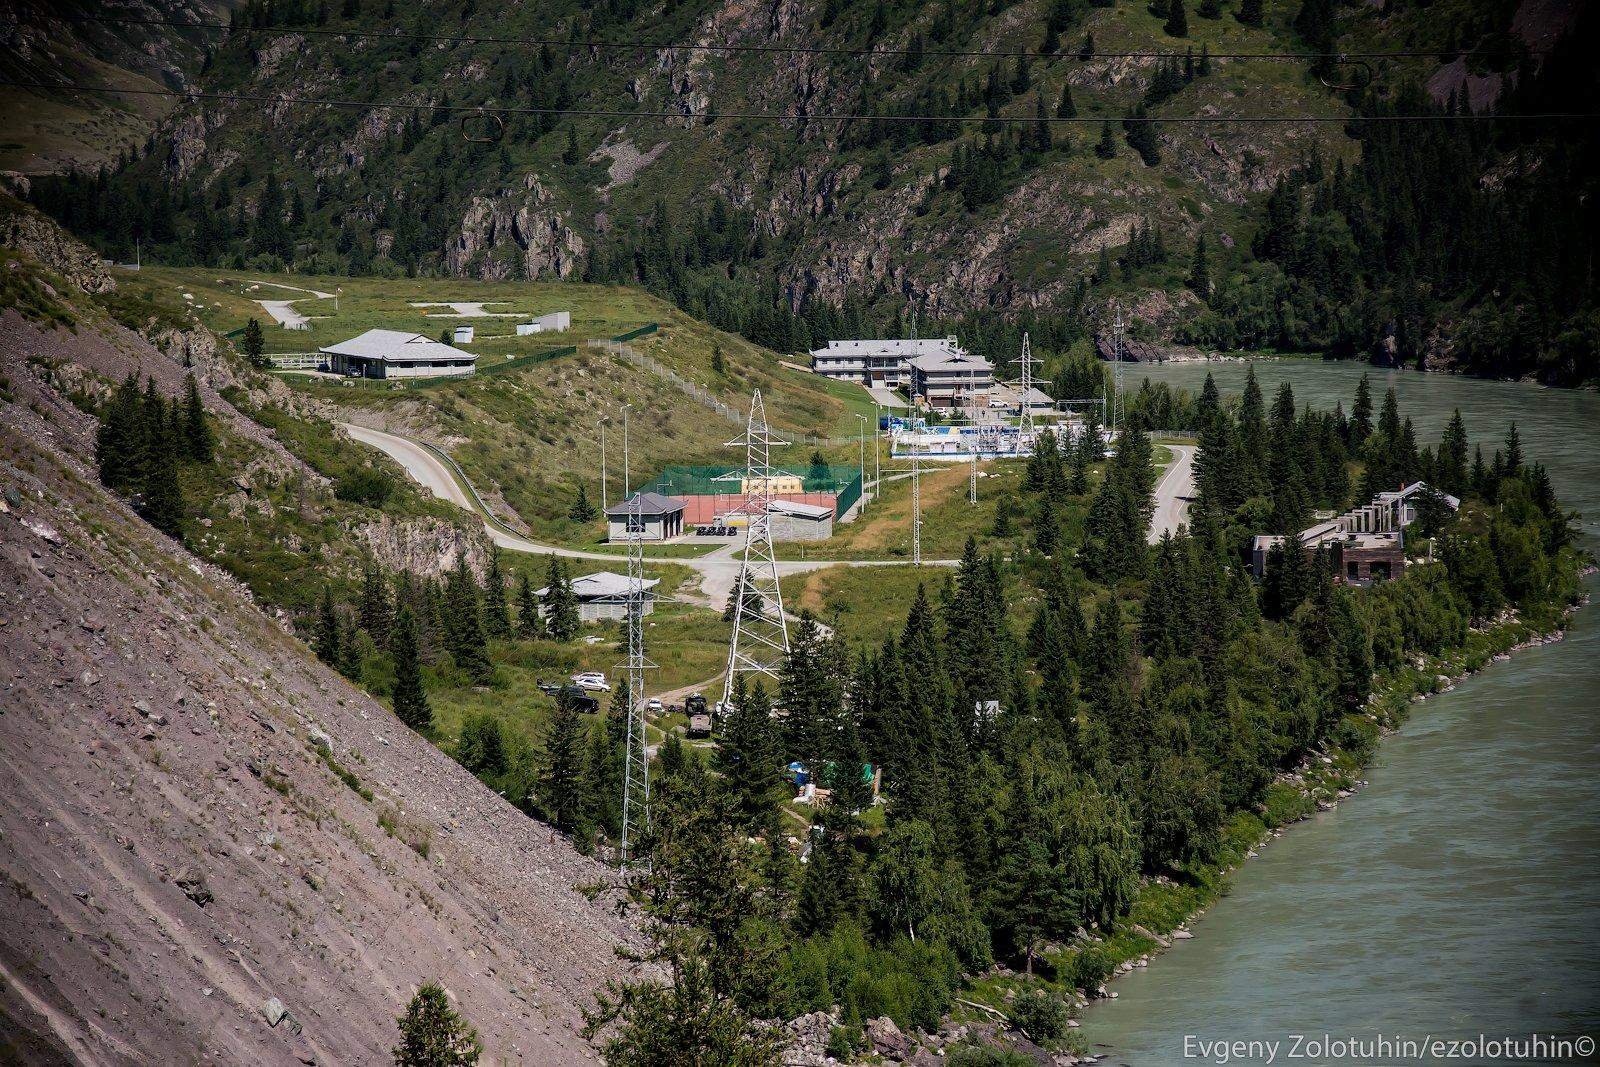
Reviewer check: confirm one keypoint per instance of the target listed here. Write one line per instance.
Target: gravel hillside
(202, 828)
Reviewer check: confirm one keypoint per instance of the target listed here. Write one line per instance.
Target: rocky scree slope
(202, 828)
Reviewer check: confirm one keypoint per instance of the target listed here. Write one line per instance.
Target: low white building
(791, 520)
(604, 595)
(555, 322)
(658, 517)
(397, 354)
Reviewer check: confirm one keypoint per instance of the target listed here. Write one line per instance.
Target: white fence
(296, 360)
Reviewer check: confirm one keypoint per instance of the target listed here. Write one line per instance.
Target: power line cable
(769, 116)
(589, 44)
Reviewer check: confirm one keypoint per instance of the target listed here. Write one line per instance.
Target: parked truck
(699, 716)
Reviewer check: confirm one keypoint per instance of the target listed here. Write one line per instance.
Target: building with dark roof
(657, 517)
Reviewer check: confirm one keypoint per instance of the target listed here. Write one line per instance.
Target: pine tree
(376, 610)
(253, 344)
(748, 755)
(1177, 24)
(582, 511)
(572, 155)
(118, 439)
(158, 497)
(1141, 132)
(1066, 108)
(1200, 270)
(325, 638)
(1250, 12)
(530, 624)
(1086, 50)
(410, 700)
(561, 790)
(198, 441)
(561, 604)
(496, 616)
(1107, 146)
(432, 1034)
(1209, 9)
(463, 624)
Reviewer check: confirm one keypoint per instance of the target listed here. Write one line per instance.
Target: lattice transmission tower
(1116, 352)
(760, 642)
(636, 766)
(1025, 427)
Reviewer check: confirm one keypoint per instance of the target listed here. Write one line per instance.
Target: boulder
(193, 884)
(886, 1038)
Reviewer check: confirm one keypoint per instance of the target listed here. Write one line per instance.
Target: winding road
(718, 569)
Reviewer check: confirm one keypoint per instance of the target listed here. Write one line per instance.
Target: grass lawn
(530, 437)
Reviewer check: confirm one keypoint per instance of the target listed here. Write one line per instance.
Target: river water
(1458, 894)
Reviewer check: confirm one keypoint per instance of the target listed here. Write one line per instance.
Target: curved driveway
(718, 569)
(1173, 492)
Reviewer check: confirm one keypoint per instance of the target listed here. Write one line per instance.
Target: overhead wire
(593, 44)
(467, 110)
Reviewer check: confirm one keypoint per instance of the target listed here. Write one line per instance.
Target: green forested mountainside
(1398, 242)
(44, 132)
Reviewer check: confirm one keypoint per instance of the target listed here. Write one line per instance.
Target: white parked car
(654, 706)
(594, 681)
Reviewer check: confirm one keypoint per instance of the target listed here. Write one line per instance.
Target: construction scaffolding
(760, 642)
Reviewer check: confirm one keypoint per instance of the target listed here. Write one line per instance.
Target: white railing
(296, 360)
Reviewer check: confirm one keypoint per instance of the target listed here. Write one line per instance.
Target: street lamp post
(627, 477)
(863, 419)
(605, 503)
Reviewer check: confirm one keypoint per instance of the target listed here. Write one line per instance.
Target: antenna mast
(760, 640)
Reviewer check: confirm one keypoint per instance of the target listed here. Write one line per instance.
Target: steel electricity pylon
(636, 764)
(760, 642)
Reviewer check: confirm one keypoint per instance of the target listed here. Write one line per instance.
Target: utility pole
(760, 642)
(916, 501)
(972, 488)
(636, 765)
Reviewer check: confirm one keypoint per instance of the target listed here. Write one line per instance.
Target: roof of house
(800, 510)
(904, 347)
(941, 361)
(651, 505)
(602, 585)
(1413, 489)
(396, 346)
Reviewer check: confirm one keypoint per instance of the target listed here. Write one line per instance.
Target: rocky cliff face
(56, 250)
(515, 233)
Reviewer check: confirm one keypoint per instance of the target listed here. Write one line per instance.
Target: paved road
(719, 569)
(1173, 492)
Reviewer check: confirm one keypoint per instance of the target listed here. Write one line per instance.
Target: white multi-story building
(936, 370)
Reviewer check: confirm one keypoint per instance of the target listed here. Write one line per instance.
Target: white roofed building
(879, 362)
(604, 595)
(952, 380)
(397, 354)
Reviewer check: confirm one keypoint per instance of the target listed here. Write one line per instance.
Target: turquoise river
(1458, 894)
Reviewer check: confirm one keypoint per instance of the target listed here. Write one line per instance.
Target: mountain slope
(164, 742)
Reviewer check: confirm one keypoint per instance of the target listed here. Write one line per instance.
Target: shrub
(1088, 967)
(1040, 1014)
(365, 486)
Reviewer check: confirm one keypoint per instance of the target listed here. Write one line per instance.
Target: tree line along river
(1458, 893)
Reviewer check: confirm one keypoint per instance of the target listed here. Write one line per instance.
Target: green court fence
(843, 482)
